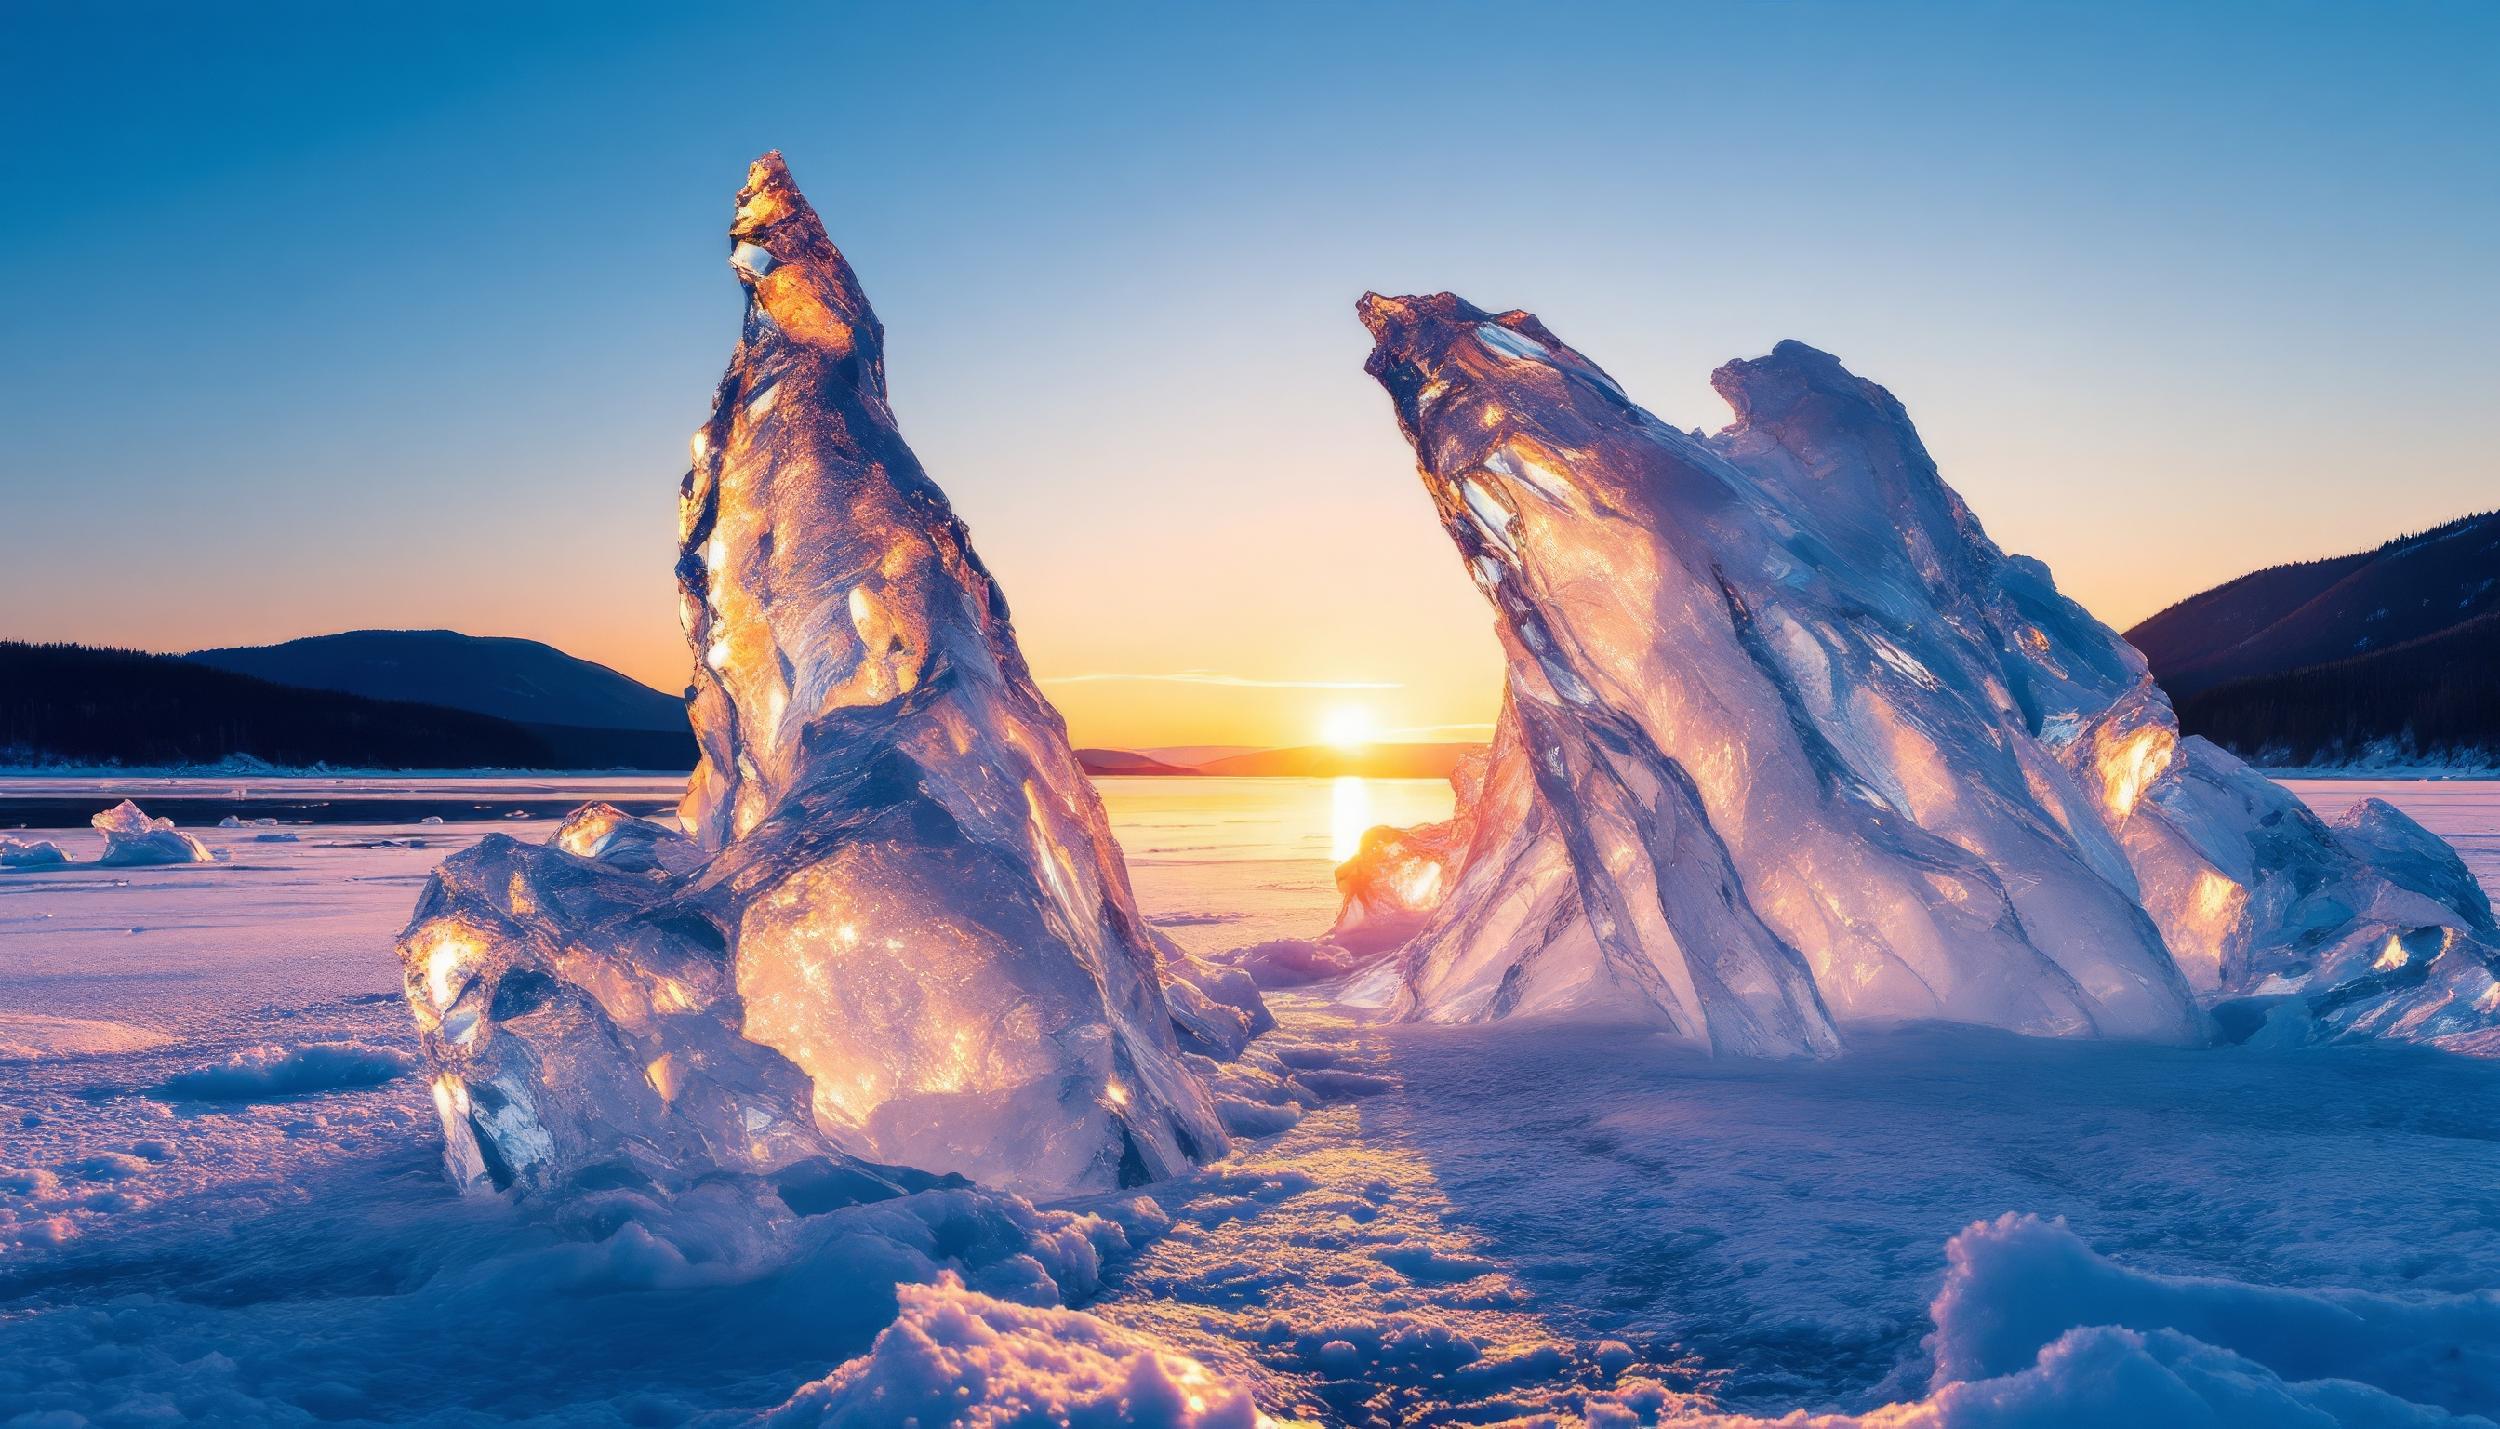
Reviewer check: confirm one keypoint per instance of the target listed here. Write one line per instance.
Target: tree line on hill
(66, 704)
(2389, 654)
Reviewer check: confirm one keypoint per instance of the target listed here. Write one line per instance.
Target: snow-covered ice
(1790, 746)
(1428, 1222)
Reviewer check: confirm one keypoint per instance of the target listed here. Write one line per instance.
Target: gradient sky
(319, 318)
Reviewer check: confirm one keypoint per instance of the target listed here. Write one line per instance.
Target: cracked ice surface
(901, 931)
(1789, 744)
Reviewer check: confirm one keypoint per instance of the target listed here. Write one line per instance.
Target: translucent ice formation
(577, 1015)
(1397, 876)
(1788, 742)
(131, 837)
(901, 930)
(31, 853)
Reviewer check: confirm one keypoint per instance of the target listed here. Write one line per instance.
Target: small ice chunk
(132, 838)
(30, 853)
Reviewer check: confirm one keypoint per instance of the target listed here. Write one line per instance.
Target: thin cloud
(1211, 677)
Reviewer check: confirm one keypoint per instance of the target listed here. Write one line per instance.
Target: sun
(1346, 727)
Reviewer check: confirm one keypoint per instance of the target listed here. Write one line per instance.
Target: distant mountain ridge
(2286, 617)
(514, 679)
(70, 704)
(2385, 653)
(1125, 761)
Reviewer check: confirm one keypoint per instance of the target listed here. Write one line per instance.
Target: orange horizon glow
(1347, 727)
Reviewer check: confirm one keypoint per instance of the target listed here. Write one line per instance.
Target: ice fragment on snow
(131, 837)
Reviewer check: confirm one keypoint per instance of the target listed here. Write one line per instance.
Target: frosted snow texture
(2035, 1330)
(266, 1072)
(2017, 1283)
(901, 930)
(1789, 744)
(958, 1357)
(2032, 1330)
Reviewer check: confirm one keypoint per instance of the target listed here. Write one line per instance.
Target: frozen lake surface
(201, 1217)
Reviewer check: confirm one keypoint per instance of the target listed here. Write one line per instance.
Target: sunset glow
(1158, 487)
(1348, 727)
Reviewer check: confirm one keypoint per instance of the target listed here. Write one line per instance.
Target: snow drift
(959, 1357)
(1788, 744)
(2016, 1284)
(2032, 1328)
(901, 931)
(264, 1072)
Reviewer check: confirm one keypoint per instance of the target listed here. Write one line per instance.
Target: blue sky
(312, 319)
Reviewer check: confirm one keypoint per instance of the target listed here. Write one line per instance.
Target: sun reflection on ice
(1350, 814)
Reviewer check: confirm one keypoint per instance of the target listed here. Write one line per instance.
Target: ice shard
(131, 837)
(901, 930)
(1776, 703)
